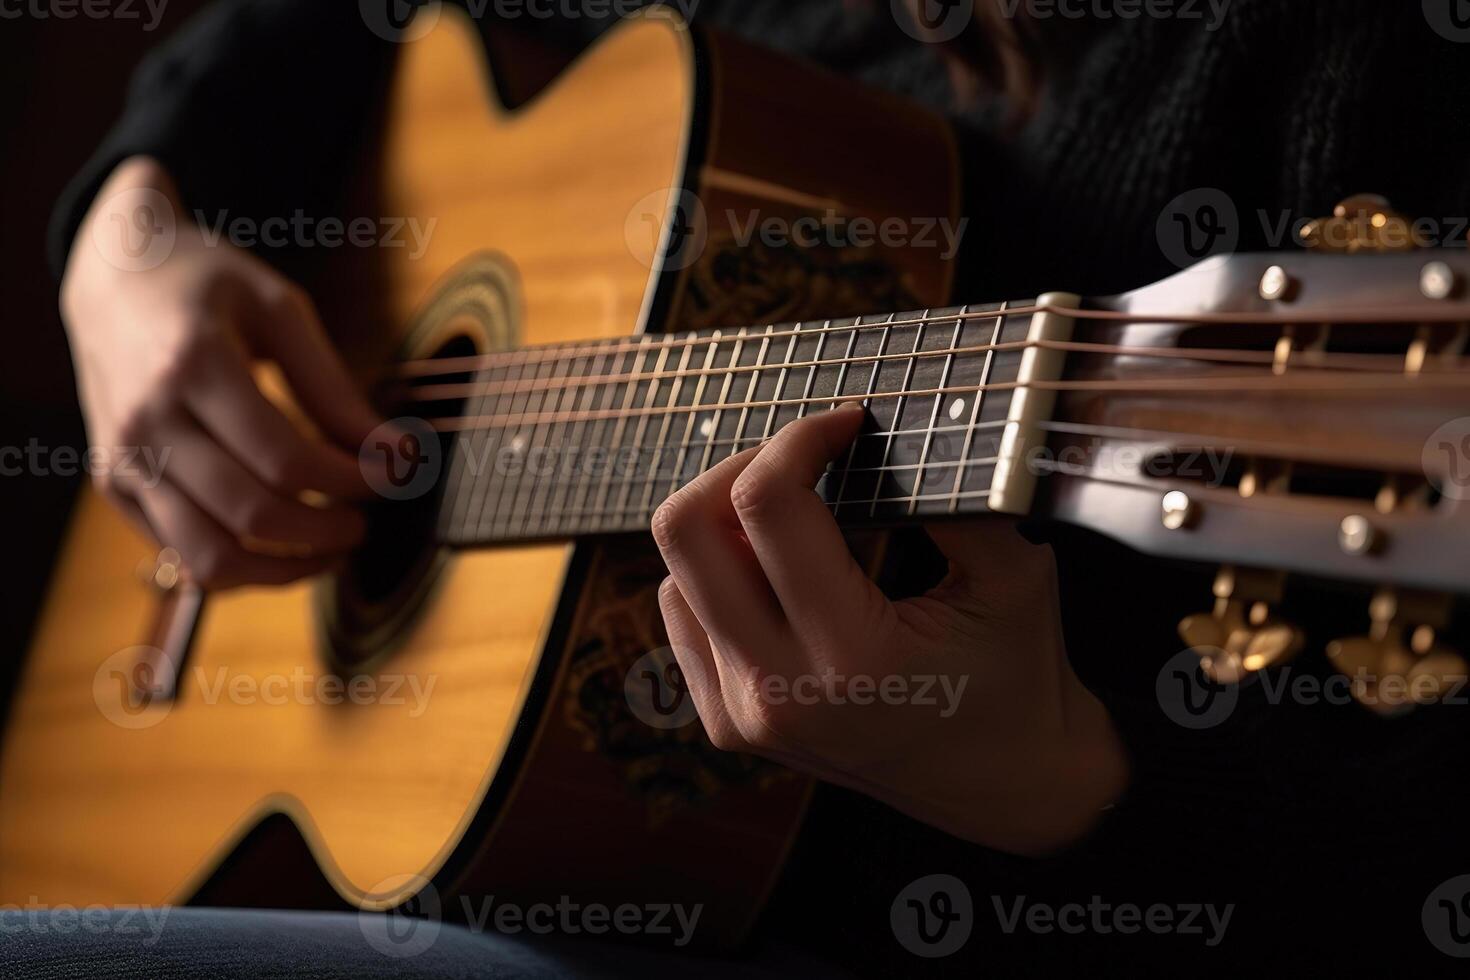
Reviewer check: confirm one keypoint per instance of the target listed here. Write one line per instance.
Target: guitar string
(433, 367)
(1338, 381)
(1314, 359)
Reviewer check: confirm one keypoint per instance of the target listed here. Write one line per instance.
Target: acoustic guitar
(479, 702)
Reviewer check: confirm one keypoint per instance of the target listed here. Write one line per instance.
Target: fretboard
(590, 438)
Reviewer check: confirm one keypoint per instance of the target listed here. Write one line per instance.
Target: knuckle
(753, 492)
(257, 517)
(667, 523)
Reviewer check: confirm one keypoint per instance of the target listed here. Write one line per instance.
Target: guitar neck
(591, 438)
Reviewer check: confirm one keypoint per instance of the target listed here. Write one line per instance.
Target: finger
(244, 506)
(288, 330)
(211, 557)
(696, 657)
(223, 396)
(700, 539)
(793, 534)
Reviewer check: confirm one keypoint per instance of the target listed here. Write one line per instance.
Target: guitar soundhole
(374, 597)
(367, 609)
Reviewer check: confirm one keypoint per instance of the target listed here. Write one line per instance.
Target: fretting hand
(959, 707)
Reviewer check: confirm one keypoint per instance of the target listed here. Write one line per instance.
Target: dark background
(65, 80)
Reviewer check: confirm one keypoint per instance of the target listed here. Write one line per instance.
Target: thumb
(284, 327)
(990, 562)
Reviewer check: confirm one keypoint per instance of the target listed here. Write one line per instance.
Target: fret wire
(602, 519)
(684, 446)
(811, 378)
(898, 411)
(464, 462)
(980, 398)
(507, 504)
(867, 402)
(447, 392)
(547, 441)
(596, 441)
(780, 386)
(475, 519)
(663, 433)
(959, 326)
(704, 463)
(651, 401)
(577, 438)
(632, 388)
(512, 359)
(750, 392)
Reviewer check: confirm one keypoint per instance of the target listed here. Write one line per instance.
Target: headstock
(1305, 414)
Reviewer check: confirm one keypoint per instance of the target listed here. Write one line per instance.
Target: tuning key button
(1276, 284)
(1357, 536)
(1178, 510)
(1438, 281)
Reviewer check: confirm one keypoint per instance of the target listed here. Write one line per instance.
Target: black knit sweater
(1325, 828)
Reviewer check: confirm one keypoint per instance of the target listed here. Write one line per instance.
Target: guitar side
(478, 771)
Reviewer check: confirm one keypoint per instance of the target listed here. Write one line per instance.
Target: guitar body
(489, 747)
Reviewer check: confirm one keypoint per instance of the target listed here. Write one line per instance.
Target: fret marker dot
(518, 445)
(707, 428)
(957, 409)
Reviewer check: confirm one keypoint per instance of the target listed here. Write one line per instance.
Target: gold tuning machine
(1240, 637)
(1362, 223)
(1400, 663)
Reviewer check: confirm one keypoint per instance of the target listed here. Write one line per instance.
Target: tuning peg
(1362, 223)
(1240, 637)
(1396, 667)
